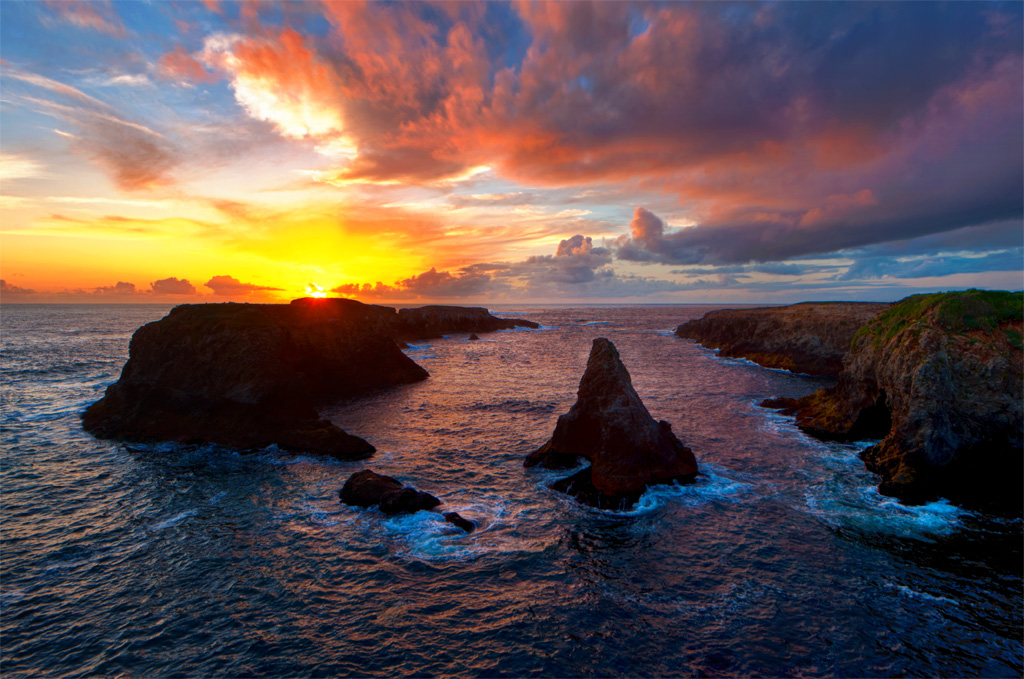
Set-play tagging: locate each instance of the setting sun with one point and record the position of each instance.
(314, 290)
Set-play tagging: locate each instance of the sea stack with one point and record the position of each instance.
(610, 426)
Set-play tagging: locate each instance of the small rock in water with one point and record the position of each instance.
(473, 336)
(407, 501)
(456, 520)
(368, 489)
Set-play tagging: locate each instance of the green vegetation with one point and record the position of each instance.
(957, 312)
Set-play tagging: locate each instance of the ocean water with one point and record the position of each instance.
(169, 560)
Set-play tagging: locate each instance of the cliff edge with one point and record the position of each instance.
(809, 338)
(939, 379)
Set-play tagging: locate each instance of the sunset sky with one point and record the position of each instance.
(460, 152)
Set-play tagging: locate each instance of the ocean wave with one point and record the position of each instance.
(910, 593)
(864, 508)
(173, 520)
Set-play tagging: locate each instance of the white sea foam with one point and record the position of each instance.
(174, 520)
(910, 593)
(867, 509)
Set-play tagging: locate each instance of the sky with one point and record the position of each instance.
(610, 152)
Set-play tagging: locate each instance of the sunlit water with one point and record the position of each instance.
(197, 561)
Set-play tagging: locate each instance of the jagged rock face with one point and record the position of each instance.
(249, 376)
(610, 426)
(809, 338)
(939, 379)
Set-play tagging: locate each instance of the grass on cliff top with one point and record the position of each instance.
(957, 312)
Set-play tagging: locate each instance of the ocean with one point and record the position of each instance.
(175, 560)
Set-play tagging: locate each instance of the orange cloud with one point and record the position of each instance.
(179, 65)
(281, 80)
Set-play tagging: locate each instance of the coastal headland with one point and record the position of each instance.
(251, 375)
(937, 378)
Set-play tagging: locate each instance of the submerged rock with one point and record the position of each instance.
(809, 338)
(610, 426)
(939, 379)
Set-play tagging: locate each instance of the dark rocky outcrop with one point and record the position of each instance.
(251, 375)
(407, 501)
(809, 338)
(939, 379)
(609, 426)
(367, 488)
(248, 376)
(458, 521)
(430, 322)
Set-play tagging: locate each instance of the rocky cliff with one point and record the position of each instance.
(939, 379)
(809, 338)
(430, 322)
(610, 426)
(251, 375)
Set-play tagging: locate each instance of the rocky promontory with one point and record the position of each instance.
(939, 379)
(431, 322)
(251, 375)
(610, 426)
(809, 338)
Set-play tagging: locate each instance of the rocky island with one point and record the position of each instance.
(251, 375)
(938, 378)
(809, 338)
(610, 426)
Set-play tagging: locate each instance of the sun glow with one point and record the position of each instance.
(314, 290)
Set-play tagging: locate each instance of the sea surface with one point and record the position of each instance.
(172, 560)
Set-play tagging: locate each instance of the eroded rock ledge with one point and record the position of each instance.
(809, 338)
(939, 379)
(610, 426)
(251, 375)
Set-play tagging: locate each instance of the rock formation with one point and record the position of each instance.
(251, 375)
(939, 379)
(609, 426)
(367, 488)
(456, 520)
(809, 338)
(430, 322)
(370, 489)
